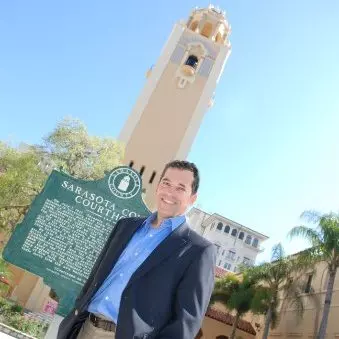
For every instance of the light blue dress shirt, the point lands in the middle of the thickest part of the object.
(106, 301)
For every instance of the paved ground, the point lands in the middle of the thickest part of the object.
(5, 336)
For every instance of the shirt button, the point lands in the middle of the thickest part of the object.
(76, 312)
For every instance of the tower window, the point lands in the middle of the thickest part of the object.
(152, 177)
(192, 61)
(241, 235)
(194, 25)
(219, 38)
(227, 229)
(131, 164)
(142, 170)
(207, 30)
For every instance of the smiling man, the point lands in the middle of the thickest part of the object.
(154, 277)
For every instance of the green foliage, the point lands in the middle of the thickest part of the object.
(5, 273)
(20, 180)
(12, 316)
(239, 294)
(81, 155)
(280, 279)
(24, 169)
(8, 308)
(236, 293)
(324, 239)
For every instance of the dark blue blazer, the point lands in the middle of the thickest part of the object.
(167, 296)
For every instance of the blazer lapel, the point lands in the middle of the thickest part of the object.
(177, 239)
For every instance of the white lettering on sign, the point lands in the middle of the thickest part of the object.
(97, 203)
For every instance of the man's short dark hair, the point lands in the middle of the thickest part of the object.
(185, 166)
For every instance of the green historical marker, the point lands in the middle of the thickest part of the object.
(68, 224)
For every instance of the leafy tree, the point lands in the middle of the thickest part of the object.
(325, 247)
(237, 294)
(83, 156)
(21, 179)
(24, 170)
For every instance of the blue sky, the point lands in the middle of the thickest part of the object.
(272, 136)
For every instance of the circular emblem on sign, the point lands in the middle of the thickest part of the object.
(124, 183)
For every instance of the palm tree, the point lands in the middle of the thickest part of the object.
(236, 294)
(280, 279)
(325, 247)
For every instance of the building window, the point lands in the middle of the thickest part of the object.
(246, 261)
(219, 263)
(241, 235)
(219, 226)
(218, 38)
(194, 25)
(217, 248)
(152, 177)
(231, 255)
(248, 240)
(227, 229)
(234, 232)
(255, 242)
(223, 252)
(308, 286)
(192, 61)
(131, 164)
(227, 266)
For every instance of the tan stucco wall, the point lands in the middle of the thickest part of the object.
(159, 133)
(212, 328)
(24, 287)
(289, 325)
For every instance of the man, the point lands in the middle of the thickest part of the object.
(154, 277)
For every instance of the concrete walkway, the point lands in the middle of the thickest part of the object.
(5, 336)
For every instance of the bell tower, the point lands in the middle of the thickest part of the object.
(179, 90)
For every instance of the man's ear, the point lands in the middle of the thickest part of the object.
(193, 198)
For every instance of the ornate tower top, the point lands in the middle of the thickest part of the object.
(178, 91)
(211, 23)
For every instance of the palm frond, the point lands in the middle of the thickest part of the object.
(309, 234)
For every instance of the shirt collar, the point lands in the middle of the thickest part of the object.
(174, 222)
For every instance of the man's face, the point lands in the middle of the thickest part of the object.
(174, 193)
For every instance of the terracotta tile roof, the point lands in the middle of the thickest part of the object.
(228, 319)
(220, 272)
